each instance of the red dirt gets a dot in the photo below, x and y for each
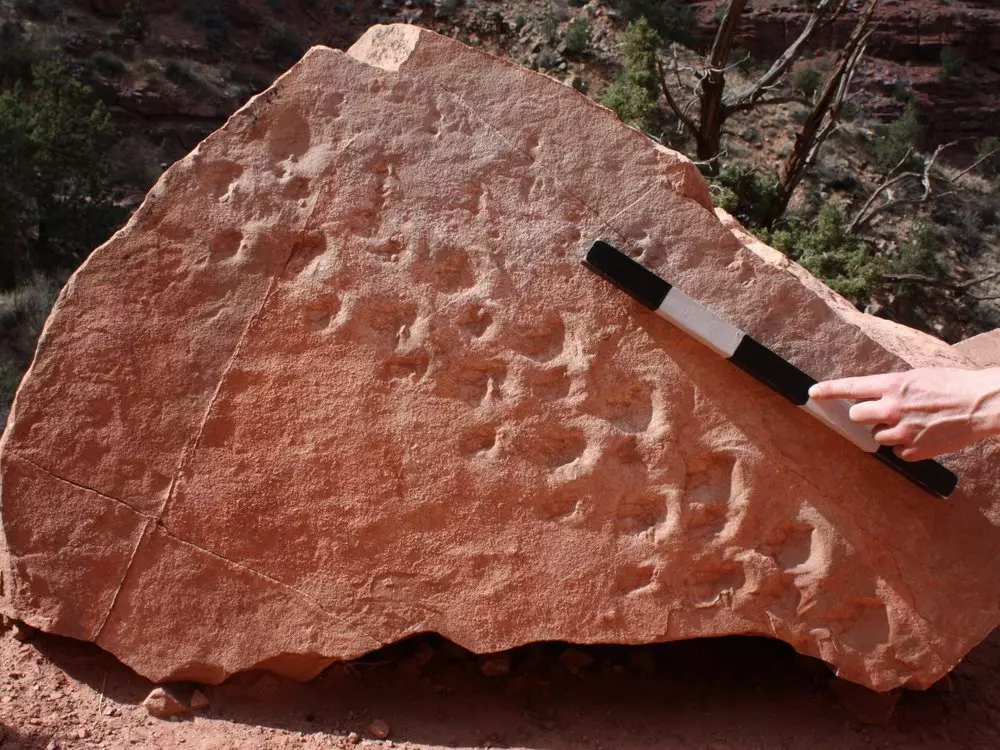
(727, 694)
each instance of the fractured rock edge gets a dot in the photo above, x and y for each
(686, 184)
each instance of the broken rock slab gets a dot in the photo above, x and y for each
(343, 378)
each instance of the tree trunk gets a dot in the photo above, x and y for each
(713, 86)
(822, 119)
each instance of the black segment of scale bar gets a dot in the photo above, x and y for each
(642, 284)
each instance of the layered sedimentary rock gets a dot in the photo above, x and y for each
(905, 49)
(343, 378)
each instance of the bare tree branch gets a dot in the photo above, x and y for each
(827, 10)
(957, 286)
(966, 171)
(870, 210)
(688, 123)
(786, 99)
(822, 120)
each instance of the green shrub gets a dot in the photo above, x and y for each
(918, 252)
(22, 314)
(187, 73)
(671, 19)
(548, 27)
(807, 81)
(632, 103)
(56, 199)
(822, 247)
(898, 137)
(991, 166)
(577, 38)
(108, 64)
(17, 54)
(901, 91)
(133, 22)
(208, 15)
(179, 72)
(745, 194)
(952, 64)
(284, 43)
(635, 92)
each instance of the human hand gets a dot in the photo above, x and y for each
(923, 412)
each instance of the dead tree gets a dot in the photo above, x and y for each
(715, 107)
(884, 198)
(824, 116)
(898, 189)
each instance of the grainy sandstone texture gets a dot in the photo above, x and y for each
(342, 379)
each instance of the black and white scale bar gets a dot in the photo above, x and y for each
(749, 355)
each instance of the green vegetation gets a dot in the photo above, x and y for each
(577, 38)
(208, 15)
(989, 151)
(824, 249)
(548, 27)
(284, 43)
(671, 19)
(22, 314)
(918, 252)
(899, 137)
(16, 54)
(849, 265)
(634, 94)
(56, 201)
(952, 64)
(108, 64)
(134, 22)
(745, 194)
(807, 81)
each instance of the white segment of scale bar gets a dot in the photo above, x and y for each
(723, 338)
(700, 323)
(835, 415)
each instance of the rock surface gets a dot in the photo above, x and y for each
(342, 379)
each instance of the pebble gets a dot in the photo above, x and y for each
(494, 665)
(575, 661)
(198, 700)
(163, 704)
(379, 729)
(353, 738)
(81, 734)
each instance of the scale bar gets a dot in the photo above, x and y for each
(755, 359)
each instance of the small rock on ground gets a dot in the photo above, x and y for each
(163, 704)
(379, 729)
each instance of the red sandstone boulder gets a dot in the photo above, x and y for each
(343, 378)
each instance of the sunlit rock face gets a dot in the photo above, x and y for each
(343, 378)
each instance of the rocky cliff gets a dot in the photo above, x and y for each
(906, 47)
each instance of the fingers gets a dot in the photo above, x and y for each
(868, 387)
(912, 454)
(883, 411)
(891, 435)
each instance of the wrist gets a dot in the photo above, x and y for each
(986, 412)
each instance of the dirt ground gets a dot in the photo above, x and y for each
(726, 694)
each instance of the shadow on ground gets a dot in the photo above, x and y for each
(734, 693)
